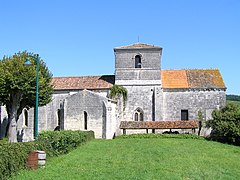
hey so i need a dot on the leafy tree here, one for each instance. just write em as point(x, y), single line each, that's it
point(117, 91)
point(226, 124)
point(18, 87)
point(232, 97)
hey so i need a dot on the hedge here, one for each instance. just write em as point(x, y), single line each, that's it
point(13, 156)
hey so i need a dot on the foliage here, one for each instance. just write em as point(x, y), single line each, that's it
point(18, 86)
point(200, 116)
point(117, 91)
point(234, 102)
point(13, 158)
point(13, 155)
point(226, 124)
point(61, 142)
point(143, 158)
point(232, 97)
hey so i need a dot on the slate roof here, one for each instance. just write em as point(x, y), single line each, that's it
point(138, 46)
point(83, 82)
point(197, 78)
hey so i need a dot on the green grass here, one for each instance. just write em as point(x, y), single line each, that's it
point(143, 158)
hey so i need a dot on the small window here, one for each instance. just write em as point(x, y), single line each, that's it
point(138, 116)
point(184, 114)
point(138, 62)
point(85, 120)
point(25, 117)
point(59, 116)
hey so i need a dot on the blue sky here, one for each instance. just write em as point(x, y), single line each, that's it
point(76, 38)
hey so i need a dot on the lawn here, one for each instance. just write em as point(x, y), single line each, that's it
point(142, 158)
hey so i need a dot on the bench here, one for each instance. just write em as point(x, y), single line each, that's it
point(177, 124)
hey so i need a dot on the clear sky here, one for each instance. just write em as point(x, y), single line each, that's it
point(76, 38)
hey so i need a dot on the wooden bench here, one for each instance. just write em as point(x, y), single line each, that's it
point(179, 124)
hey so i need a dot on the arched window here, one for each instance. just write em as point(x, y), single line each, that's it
point(25, 114)
point(138, 115)
point(59, 117)
point(138, 62)
point(85, 120)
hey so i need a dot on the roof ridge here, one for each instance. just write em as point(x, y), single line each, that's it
point(81, 76)
point(137, 45)
point(190, 69)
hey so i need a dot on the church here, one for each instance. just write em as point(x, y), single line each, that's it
point(84, 103)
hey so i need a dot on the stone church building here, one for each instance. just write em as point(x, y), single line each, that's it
point(83, 103)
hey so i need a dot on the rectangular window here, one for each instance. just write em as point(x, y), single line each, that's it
point(184, 114)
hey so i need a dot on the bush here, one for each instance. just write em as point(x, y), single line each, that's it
point(13, 156)
point(226, 124)
point(60, 142)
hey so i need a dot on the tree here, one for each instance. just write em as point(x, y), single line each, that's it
point(117, 91)
point(18, 87)
point(232, 97)
point(226, 124)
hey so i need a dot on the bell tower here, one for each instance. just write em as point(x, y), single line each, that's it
point(138, 64)
point(138, 69)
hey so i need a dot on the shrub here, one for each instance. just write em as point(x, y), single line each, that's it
point(60, 142)
point(13, 156)
point(226, 124)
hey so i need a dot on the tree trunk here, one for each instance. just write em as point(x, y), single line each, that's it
point(12, 131)
point(12, 109)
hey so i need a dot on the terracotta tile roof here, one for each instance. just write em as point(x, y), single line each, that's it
point(139, 46)
point(174, 79)
point(83, 82)
point(190, 124)
point(210, 78)
point(199, 78)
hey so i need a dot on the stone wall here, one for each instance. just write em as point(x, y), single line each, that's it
point(100, 113)
point(51, 117)
point(125, 58)
point(127, 74)
point(139, 97)
point(192, 100)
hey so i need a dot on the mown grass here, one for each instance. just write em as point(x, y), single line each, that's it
point(143, 158)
